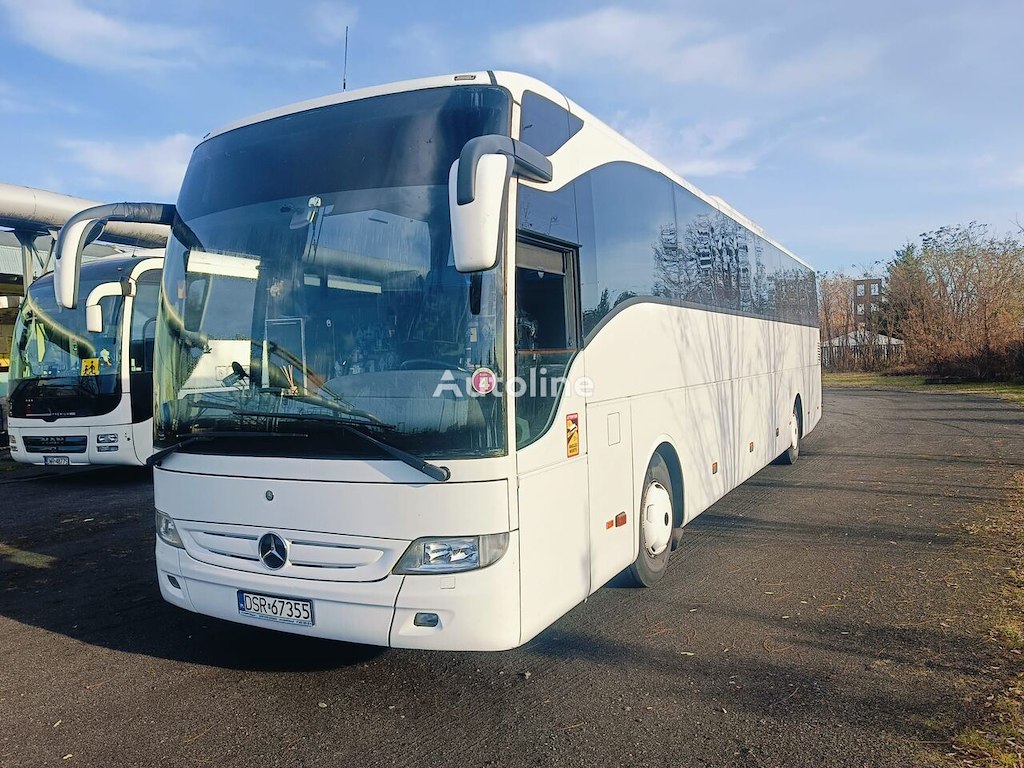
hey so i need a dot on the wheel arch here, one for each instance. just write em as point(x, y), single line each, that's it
point(670, 456)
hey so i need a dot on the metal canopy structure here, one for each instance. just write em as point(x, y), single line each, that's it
point(34, 216)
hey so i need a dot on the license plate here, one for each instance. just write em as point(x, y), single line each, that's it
point(61, 461)
point(284, 609)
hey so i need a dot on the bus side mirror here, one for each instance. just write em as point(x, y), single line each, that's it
point(94, 318)
point(84, 227)
point(477, 194)
point(476, 225)
point(93, 310)
point(71, 241)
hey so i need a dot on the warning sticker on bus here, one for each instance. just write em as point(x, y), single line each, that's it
point(91, 366)
point(572, 435)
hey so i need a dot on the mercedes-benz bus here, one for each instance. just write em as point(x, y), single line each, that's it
point(81, 379)
point(491, 355)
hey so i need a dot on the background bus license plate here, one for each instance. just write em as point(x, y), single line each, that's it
point(286, 609)
point(59, 460)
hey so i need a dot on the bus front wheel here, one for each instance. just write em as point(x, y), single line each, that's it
point(655, 526)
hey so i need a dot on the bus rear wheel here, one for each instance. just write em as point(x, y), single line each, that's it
point(791, 454)
point(655, 526)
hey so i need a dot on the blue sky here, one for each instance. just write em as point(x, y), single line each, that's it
point(844, 129)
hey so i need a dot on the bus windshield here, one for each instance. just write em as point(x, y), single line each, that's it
point(309, 286)
point(59, 367)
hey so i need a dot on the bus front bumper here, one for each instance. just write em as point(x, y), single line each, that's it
point(475, 610)
point(73, 446)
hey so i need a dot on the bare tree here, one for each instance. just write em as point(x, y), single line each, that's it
point(958, 301)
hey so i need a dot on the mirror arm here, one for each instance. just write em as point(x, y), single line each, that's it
point(526, 162)
point(105, 290)
point(136, 213)
point(124, 287)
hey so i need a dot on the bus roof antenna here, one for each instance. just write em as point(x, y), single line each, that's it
point(344, 69)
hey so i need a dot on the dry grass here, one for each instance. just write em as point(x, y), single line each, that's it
point(1011, 392)
point(994, 736)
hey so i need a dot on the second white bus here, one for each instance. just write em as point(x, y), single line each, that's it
point(80, 395)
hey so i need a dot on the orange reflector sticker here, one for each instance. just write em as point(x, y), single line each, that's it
point(751, 447)
point(610, 524)
point(714, 468)
point(620, 519)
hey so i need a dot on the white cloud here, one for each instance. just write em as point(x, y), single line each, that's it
point(694, 151)
point(1016, 177)
point(155, 166)
point(11, 102)
point(428, 44)
point(832, 61)
point(870, 153)
point(668, 45)
point(19, 102)
point(69, 31)
point(673, 48)
point(329, 21)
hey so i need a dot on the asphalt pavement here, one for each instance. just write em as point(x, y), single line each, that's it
point(821, 614)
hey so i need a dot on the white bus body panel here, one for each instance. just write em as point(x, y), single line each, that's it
point(348, 575)
point(393, 510)
point(706, 384)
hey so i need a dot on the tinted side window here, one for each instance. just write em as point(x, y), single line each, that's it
point(812, 291)
point(641, 235)
point(624, 228)
point(789, 289)
point(143, 328)
point(774, 270)
point(546, 126)
point(552, 214)
point(714, 256)
point(761, 275)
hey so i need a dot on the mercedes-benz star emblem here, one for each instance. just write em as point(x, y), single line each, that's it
point(273, 551)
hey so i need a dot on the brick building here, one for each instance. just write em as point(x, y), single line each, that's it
point(867, 302)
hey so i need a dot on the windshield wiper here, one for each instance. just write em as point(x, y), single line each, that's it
point(338, 404)
point(300, 415)
point(432, 471)
point(153, 460)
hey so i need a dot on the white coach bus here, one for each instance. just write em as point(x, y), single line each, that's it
point(492, 356)
point(81, 380)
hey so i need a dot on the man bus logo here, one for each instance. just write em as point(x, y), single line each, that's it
point(273, 551)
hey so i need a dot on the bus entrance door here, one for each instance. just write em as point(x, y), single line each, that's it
point(550, 434)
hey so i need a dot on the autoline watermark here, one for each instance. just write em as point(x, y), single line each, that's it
point(483, 382)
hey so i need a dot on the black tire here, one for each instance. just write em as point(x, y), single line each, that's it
point(647, 570)
point(791, 454)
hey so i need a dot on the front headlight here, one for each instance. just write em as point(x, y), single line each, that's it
point(452, 554)
point(166, 530)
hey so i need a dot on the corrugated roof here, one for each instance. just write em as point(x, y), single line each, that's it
point(10, 260)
